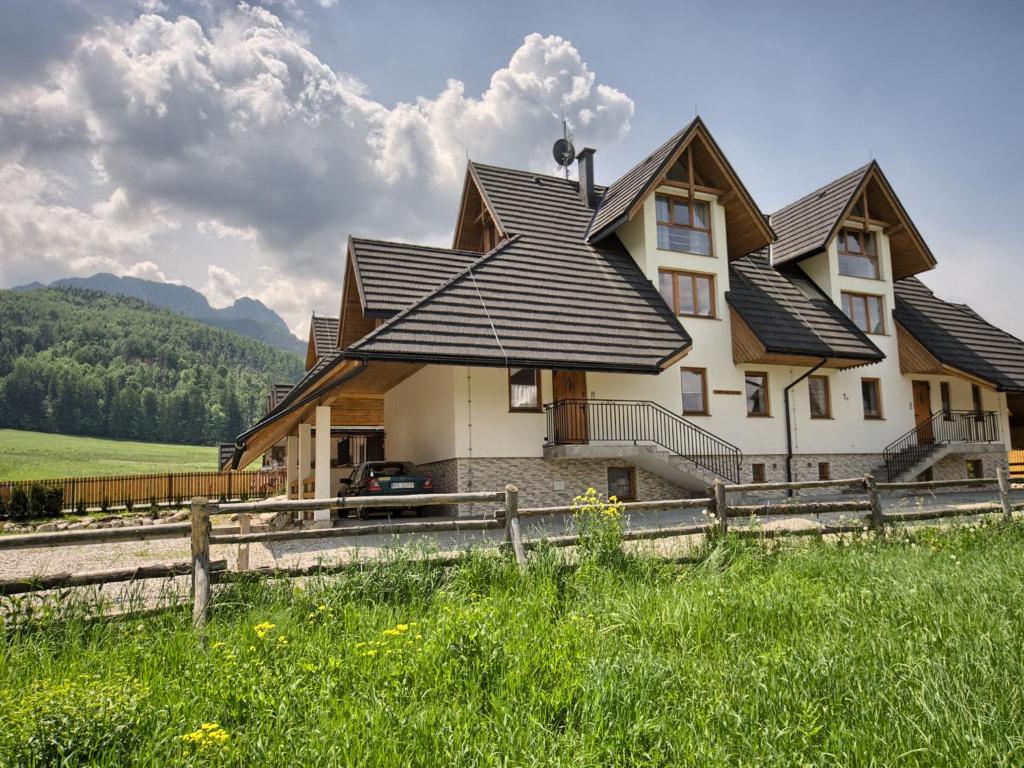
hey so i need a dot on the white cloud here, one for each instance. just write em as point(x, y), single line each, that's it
point(220, 230)
point(147, 270)
point(222, 287)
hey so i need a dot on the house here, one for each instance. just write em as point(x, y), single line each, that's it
point(650, 336)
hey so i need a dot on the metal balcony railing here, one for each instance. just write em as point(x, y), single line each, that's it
point(940, 428)
point(574, 422)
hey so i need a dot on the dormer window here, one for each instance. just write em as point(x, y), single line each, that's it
point(683, 225)
point(858, 253)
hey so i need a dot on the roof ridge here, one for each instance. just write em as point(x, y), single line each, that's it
point(553, 177)
point(429, 296)
point(862, 170)
point(403, 243)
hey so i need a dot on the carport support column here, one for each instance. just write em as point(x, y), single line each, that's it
point(291, 464)
point(305, 456)
point(323, 460)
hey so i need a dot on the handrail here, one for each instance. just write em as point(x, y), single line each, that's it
point(941, 428)
point(633, 421)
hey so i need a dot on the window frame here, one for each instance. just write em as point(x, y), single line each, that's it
point(758, 468)
point(673, 200)
point(861, 235)
point(828, 397)
point(824, 470)
point(677, 275)
point(540, 397)
point(863, 297)
point(877, 383)
point(631, 471)
point(767, 395)
point(703, 373)
point(974, 468)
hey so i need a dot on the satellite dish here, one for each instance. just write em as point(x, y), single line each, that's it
point(564, 152)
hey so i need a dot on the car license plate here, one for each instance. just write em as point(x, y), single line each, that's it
point(403, 485)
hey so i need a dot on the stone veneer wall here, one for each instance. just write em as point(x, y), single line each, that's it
point(954, 466)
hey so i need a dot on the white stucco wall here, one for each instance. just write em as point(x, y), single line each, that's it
point(419, 416)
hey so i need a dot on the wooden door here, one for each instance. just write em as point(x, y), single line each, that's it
point(923, 412)
point(570, 418)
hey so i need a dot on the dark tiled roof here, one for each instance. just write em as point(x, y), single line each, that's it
point(278, 392)
point(325, 334)
point(628, 188)
point(803, 227)
point(540, 302)
point(959, 337)
point(393, 275)
point(790, 315)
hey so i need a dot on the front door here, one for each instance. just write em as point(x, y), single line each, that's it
point(570, 418)
point(923, 412)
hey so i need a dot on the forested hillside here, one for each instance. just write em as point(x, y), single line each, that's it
point(87, 363)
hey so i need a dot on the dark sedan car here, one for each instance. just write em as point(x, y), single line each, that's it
point(387, 478)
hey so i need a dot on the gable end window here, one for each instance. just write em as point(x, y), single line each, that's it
point(858, 253)
point(690, 294)
point(683, 225)
point(523, 389)
point(757, 394)
point(821, 399)
point(695, 391)
point(865, 310)
point(871, 391)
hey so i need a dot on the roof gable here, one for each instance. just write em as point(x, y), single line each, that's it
point(323, 338)
point(960, 338)
point(806, 226)
point(747, 228)
point(534, 303)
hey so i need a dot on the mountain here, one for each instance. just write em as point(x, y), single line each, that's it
point(83, 362)
point(246, 316)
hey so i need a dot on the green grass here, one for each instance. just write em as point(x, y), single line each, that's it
point(905, 653)
point(41, 455)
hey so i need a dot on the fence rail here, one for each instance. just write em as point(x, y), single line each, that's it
point(205, 572)
point(162, 488)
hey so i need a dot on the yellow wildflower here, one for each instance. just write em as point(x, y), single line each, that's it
point(263, 628)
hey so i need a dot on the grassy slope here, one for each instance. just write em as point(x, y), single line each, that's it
point(902, 654)
point(40, 455)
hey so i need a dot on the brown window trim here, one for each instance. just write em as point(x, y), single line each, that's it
point(828, 397)
point(672, 199)
point(632, 482)
point(875, 258)
point(767, 395)
point(676, 274)
point(824, 470)
point(758, 473)
point(878, 392)
point(864, 297)
point(974, 468)
point(540, 396)
point(703, 372)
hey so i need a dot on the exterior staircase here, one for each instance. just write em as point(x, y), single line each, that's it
point(934, 438)
point(645, 433)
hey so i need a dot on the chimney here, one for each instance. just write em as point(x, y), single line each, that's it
point(586, 175)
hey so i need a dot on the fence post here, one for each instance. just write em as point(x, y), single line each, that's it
point(513, 534)
point(243, 549)
point(877, 518)
point(1004, 493)
point(200, 561)
point(721, 508)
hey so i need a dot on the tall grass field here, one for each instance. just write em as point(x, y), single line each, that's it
point(42, 455)
point(902, 653)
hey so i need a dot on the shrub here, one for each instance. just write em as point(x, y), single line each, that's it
point(3, 508)
point(129, 505)
point(37, 500)
point(17, 507)
point(80, 508)
point(54, 505)
point(600, 525)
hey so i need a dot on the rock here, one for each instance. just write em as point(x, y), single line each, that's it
point(78, 526)
point(145, 521)
point(279, 520)
point(46, 528)
point(177, 517)
point(117, 523)
point(86, 520)
point(62, 526)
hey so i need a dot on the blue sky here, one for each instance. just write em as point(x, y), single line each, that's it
point(795, 93)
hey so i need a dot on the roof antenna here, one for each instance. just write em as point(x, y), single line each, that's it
point(563, 151)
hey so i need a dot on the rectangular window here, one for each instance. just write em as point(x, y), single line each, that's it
point(975, 469)
point(523, 389)
point(865, 310)
point(858, 253)
point(757, 394)
point(821, 398)
point(683, 225)
point(622, 483)
point(757, 473)
point(824, 470)
point(695, 391)
point(947, 409)
point(871, 391)
point(690, 294)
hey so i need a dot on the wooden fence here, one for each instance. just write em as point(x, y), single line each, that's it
point(506, 515)
point(170, 487)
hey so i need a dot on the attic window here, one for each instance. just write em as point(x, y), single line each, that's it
point(858, 253)
point(683, 225)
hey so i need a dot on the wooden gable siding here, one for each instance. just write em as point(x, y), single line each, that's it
point(914, 358)
point(361, 411)
point(353, 323)
point(311, 349)
point(747, 348)
point(478, 227)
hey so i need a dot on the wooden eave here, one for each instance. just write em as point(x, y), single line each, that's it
point(908, 251)
point(916, 359)
point(747, 229)
point(353, 322)
point(747, 348)
point(311, 348)
point(474, 206)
